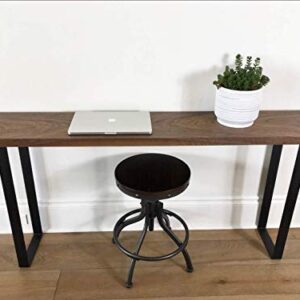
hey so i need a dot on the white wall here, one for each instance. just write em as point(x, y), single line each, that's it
point(149, 56)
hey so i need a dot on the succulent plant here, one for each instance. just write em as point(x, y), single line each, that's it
point(243, 78)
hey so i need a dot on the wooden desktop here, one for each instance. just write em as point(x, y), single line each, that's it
point(49, 129)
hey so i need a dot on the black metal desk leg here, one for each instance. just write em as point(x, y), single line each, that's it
point(12, 207)
point(30, 190)
point(32, 202)
point(269, 187)
point(25, 256)
point(276, 251)
point(288, 211)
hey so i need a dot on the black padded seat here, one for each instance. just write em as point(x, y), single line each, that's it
point(152, 176)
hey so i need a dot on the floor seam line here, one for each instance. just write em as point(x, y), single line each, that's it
point(57, 282)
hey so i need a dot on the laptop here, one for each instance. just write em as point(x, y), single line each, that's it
point(110, 122)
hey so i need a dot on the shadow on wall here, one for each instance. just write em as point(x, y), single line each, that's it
point(41, 182)
point(263, 179)
point(238, 183)
point(237, 189)
point(98, 177)
point(198, 91)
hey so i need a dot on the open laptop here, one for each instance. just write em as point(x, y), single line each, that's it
point(110, 122)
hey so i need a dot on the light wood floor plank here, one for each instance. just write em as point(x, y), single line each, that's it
point(230, 265)
point(83, 237)
point(207, 280)
point(28, 285)
point(239, 297)
point(95, 251)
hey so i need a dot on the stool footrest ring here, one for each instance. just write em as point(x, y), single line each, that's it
point(122, 223)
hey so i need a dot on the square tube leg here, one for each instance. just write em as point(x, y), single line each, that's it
point(276, 251)
point(12, 208)
point(25, 256)
point(30, 190)
point(288, 211)
point(270, 185)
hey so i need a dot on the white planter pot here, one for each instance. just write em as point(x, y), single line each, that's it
point(237, 109)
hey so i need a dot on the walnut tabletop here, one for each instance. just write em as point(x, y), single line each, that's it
point(43, 129)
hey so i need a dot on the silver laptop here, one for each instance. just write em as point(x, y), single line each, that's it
point(110, 122)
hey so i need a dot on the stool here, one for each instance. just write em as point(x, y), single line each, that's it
point(152, 177)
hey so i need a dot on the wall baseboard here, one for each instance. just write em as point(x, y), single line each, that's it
point(209, 213)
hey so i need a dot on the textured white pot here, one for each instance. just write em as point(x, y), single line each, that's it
point(237, 109)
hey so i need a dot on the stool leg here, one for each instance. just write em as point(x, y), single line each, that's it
point(123, 222)
point(151, 224)
point(137, 250)
point(171, 234)
point(166, 218)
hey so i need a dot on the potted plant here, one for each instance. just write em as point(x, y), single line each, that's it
point(239, 93)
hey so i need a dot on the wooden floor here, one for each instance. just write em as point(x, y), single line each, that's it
point(229, 265)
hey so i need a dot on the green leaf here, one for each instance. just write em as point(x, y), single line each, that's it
point(249, 77)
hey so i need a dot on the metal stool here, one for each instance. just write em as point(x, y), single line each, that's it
point(152, 177)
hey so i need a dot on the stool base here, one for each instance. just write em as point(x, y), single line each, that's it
point(149, 211)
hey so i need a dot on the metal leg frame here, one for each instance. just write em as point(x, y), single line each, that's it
point(171, 234)
point(149, 212)
point(137, 250)
point(275, 251)
point(25, 255)
point(166, 219)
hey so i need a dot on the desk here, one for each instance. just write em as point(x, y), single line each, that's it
point(24, 130)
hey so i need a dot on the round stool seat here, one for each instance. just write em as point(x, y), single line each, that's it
point(152, 176)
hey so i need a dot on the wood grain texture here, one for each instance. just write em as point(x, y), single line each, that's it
point(239, 297)
point(95, 250)
point(173, 281)
point(28, 285)
point(169, 128)
point(229, 265)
